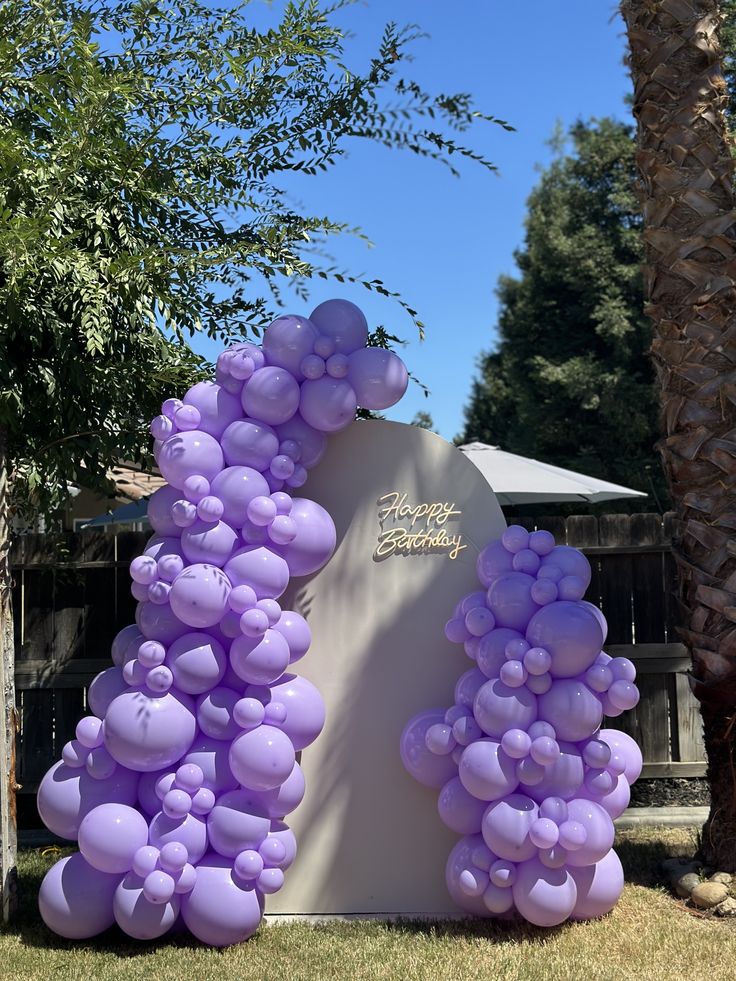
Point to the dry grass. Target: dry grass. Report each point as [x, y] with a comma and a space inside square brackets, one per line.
[648, 937]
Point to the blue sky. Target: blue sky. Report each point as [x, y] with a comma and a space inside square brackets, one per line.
[442, 242]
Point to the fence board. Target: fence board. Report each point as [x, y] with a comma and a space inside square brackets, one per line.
[687, 723]
[616, 578]
[37, 743]
[647, 583]
[582, 532]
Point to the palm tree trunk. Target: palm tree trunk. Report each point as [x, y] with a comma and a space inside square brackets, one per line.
[687, 195]
[8, 832]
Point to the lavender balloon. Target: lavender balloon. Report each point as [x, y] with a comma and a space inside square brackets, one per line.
[521, 749]
[177, 784]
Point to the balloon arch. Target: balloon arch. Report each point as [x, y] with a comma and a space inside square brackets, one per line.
[177, 784]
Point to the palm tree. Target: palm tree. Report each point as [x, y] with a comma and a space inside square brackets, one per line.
[687, 197]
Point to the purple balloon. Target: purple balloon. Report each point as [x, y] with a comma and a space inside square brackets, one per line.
[492, 650]
[249, 443]
[563, 778]
[159, 510]
[147, 797]
[460, 860]
[624, 745]
[210, 542]
[67, 795]
[343, 323]
[197, 662]
[217, 408]
[261, 568]
[76, 900]
[105, 687]
[572, 635]
[315, 538]
[161, 546]
[215, 713]
[467, 687]
[262, 758]
[311, 442]
[497, 708]
[287, 341]
[305, 708]
[295, 631]
[188, 830]
[426, 767]
[260, 660]
[271, 395]
[282, 800]
[493, 562]
[572, 708]
[199, 595]
[486, 771]
[218, 911]
[598, 887]
[379, 378]
[506, 826]
[544, 896]
[159, 622]
[570, 561]
[459, 810]
[110, 835]
[328, 404]
[186, 454]
[234, 824]
[212, 756]
[510, 600]
[139, 917]
[599, 831]
[145, 733]
[236, 487]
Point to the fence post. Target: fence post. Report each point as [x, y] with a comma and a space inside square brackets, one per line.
[8, 829]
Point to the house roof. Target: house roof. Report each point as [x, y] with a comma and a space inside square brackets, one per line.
[133, 483]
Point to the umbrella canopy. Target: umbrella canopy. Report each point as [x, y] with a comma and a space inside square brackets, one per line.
[124, 515]
[519, 480]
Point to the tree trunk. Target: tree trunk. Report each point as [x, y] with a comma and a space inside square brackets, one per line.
[687, 197]
[8, 830]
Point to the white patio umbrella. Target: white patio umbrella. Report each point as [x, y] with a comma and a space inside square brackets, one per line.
[520, 480]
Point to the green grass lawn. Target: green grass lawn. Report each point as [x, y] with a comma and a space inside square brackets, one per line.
[649, 937]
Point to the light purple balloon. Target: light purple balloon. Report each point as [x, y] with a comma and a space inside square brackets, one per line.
[572, 708]
[105, 687]
[217, 408]
[328, 404]
[249, 443]
[282, 800]
[160, 546]
[188, 453]
[545, 897]
[458, 809]
[261, 568]
[76, 900]
[493, 562]
[625, 746]
[285, 836]
[497, 708]
[467, 687]
[426, 767]
[159, 622]
[492, 650]
[197, 661]
[598, 828]
[459, 860]
[217, 910]
[188, 830]
[259, 660]
[486, 771]
[599, 887]
[215, 713]
[209, 542]
[343, 322]
[510, 600]
[305, 709]
[311, 442]
[199, 595]
[235, 824]
[563, 778]
[236, 487]
[287, 341]
[315, 539]
[570, 561]
[572, 635]
[506, 826]
[123, 639]
[139, 917]
[615, 801]
[159, 510]
[271, 395]
[262, 758]
[110, 835]
[147, 797]
[146, 733]
[67, 795]
[378, 377]
[212, 756]
[295, 631]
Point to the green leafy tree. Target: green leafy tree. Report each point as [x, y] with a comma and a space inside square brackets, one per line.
[145, 151]
[570, 380]
[423, 420]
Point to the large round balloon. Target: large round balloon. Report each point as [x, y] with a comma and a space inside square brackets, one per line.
[626, 747]
[234, 824]
[212, 756]
[159, 622]
[491, 654]
[459, 810]
[271, 395]
[562, 778]
[146, 733]
[217, 408]
[159, 510]
[282, 800]
[498, 708]
[379, 378]
[261, 569]
[219, 911]
[510, 600]
[197, 662]
[249, 443]
[426, 767]
[215, 712]
[199, 595]
[486, 771]
[598, 887]
[305, 709]
[260, 660]
[599, 831]
[572, 708]
[506, 826]
[208, 541]
[328, 404]
[110, 835]
[105, 687]
[188, 453]
[236, 487]
[189, 831]
[343, 323]
[544, 896]
[571, 634]
[138, 916]
[288, 341]
[66, 795]
[76, 900]
[315, 538]
[262, 758]
[460, 860]
[295, 631]
[311, 442]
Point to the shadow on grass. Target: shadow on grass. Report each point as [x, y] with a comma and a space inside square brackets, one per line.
[642, 852]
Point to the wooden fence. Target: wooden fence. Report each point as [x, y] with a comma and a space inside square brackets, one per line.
[72, 594]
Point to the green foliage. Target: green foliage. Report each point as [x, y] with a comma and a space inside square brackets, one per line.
[424, 420]
[144, 146]
[570, 381]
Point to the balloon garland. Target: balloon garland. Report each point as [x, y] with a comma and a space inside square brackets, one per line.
[177, 785]
[524, 770]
